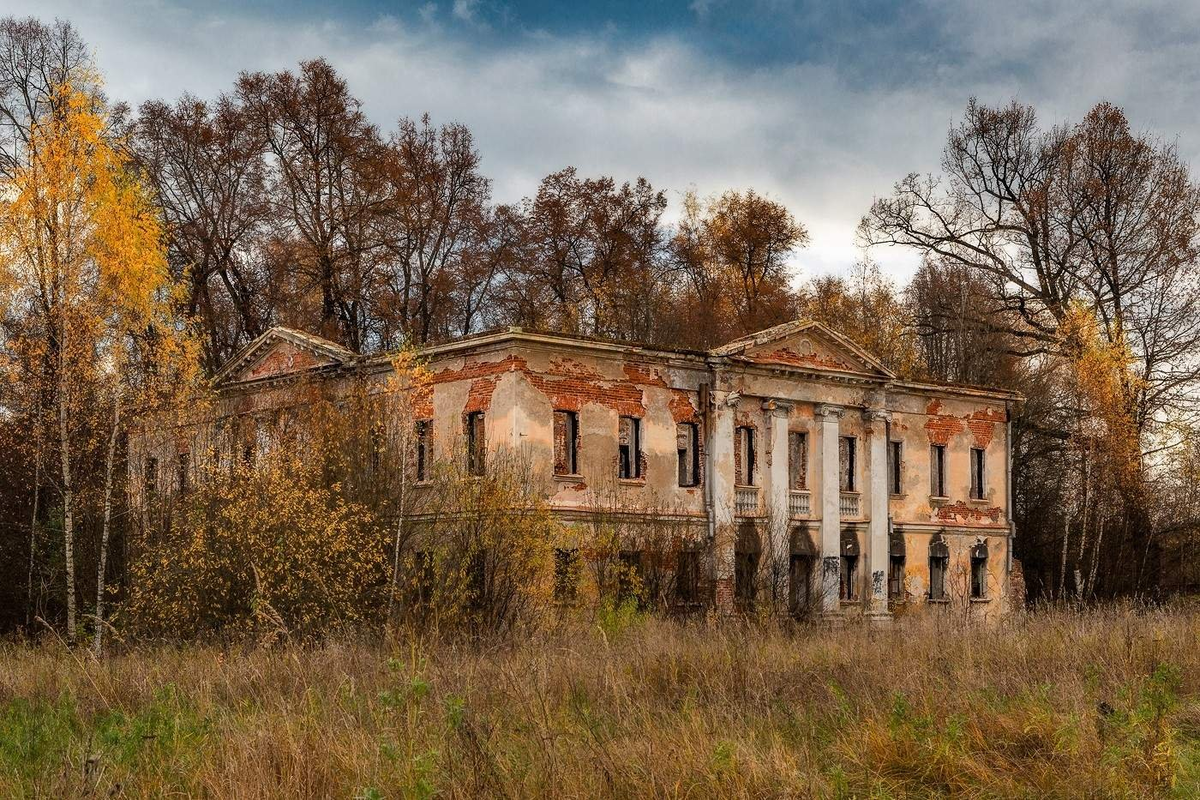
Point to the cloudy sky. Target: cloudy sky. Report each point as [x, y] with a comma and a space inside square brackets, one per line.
[823, 105]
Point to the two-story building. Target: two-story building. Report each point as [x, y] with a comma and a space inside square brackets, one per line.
[874, 493]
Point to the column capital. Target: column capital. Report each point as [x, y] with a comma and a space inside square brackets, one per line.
[829, 410]
[877, 415]
[777, 408]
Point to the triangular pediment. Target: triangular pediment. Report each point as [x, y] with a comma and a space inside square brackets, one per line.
[280, 352]
[804, 344]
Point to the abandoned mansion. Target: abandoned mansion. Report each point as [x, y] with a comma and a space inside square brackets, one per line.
[876, 494]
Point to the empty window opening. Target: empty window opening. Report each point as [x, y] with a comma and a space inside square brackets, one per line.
[896, 562]
[745, 456]
[979, 572]
[476, 443]
[937, 470]
[847, 466]
[939, 565]
[849, 579]
[895, 466]
[629, 442]
[687, 447]
[687, 577]
[799, 578]
[848, 583]
[566, 574]
[566, 443]
[747, 553]
[423, 429]
[798, 459]
[977, 473]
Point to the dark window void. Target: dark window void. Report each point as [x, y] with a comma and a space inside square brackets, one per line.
[687, 577]
[847, 466]
[977, 473]
[895, 466]
[939, 565]
[687, 446]
[897, 592]
[629, 443]
[798, 459]
[745, 456]
[423, 430]
[566, 443]
[896, 578]
[979, 571]
[799, 578]
[476, 443]
[848, 584]
[937, 470]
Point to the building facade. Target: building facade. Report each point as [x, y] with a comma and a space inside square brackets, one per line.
[871, 495]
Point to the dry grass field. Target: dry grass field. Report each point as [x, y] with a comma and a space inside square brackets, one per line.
[1054, 704]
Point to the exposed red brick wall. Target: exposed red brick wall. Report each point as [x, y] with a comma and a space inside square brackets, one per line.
[283, 358]
[644, 375]
[682, 408]
[960, 512]
[785, 355]
[723, 590]
[943, 427]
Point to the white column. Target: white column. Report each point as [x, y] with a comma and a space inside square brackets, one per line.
[877, 533]
[831, 522]
[721, 479]
[778, 493]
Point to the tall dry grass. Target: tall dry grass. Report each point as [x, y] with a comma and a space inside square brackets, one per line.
[1055, 704]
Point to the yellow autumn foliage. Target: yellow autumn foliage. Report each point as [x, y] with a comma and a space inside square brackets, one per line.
[272, 549]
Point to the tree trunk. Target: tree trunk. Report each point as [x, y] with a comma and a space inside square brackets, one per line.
[68, 493]
[33, 522]
[98, 642]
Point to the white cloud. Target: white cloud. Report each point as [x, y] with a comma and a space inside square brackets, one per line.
[814, 134]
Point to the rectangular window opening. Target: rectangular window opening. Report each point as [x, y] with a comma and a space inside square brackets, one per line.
[937, 577]
[798, 459]
[566, 443]
[423, 451]
[847, 467]
[896, 591]
[977, 473]
[895, 467]
[687, 447]
[476, 443]
[799, 574]
[687, 577]
[745, 456]
[849, 578]
[978, 577]
[937, 470]
[629, 442]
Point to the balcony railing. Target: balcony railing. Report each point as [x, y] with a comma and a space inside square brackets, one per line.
[799, 505]
[745, 501]
[849, 507]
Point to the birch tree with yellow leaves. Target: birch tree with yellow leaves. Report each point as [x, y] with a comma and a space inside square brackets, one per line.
[83, 265]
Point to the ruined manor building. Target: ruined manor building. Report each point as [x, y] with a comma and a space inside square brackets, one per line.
[869, 494]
